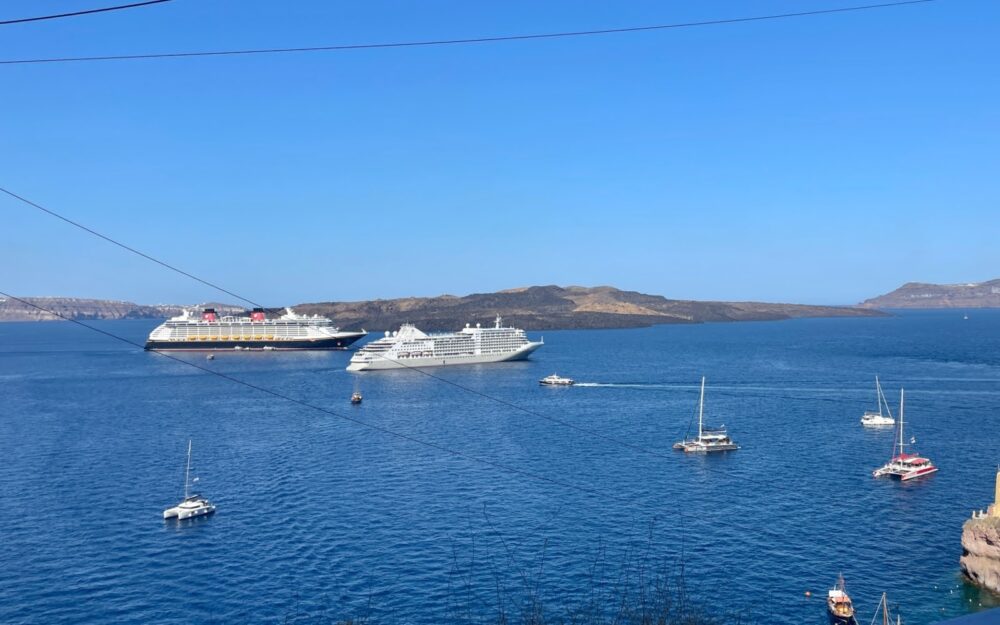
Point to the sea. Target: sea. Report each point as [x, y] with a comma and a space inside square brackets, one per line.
[473, 494]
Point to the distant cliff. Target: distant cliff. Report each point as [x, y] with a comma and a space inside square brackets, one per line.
[82, 309]
[980, 560]
[921, 295]
[554, 307]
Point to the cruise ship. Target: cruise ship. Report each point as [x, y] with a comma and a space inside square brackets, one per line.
[409, 347]
[211, 332]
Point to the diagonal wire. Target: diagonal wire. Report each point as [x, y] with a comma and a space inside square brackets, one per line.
[84, 12]
[463, 41]
[378, 428]
[123, 246]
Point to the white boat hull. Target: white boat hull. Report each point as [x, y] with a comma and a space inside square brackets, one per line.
[380, 363]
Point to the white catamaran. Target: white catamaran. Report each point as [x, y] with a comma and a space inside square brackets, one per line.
[872, 418]
[192, 505]
[709, 439]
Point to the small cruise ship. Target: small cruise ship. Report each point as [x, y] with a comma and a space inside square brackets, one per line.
[904, 466]
[409, 347]
[256, 331]
[708, 439]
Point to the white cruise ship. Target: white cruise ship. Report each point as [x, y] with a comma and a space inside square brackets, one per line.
[409, 347]
[211, 332]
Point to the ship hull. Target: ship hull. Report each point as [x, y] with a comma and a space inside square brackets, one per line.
[342, 341]
[841, 620]
[386, 363]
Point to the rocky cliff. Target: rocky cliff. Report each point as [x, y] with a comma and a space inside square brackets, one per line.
[922, 295]
[980, 559]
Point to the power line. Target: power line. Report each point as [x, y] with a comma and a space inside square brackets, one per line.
[378, 428]
[463, 41]
[85, 12]
[125, 247]
[509, 404]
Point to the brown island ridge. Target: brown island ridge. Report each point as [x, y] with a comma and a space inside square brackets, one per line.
[532, 308]
[554, 307]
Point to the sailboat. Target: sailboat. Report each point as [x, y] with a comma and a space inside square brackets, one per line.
[838, 605]
[878, 419]
[904, 466]
[192, 505]
[709, 439]
[883, 607]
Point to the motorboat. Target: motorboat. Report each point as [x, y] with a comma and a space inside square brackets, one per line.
[555, 380]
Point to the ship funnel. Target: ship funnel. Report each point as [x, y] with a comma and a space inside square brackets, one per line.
[257, 314]
[208, 314]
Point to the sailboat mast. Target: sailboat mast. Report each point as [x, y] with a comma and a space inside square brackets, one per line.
[878, 396]
[701, 406]
[901, 421]
[187, 472]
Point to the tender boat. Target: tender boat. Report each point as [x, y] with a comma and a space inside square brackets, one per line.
[838, 605]
[708, 439]
[192, 505]
[356, 397]
[872, 418]
[555, 380]
[904, 466]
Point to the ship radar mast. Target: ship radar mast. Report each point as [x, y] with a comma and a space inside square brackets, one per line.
[498, 321]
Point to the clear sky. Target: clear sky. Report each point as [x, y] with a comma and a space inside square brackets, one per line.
[819, 160]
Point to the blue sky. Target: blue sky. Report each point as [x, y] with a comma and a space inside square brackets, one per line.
[820, 160]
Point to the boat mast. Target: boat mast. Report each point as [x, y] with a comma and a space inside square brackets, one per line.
[701, 406]
[878, 396]
[187, 472]
[901, 422]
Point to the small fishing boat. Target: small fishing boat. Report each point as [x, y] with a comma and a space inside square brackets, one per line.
[876, 419]
[210, 357]
[555, 380]
[708, 439]
[904, 466]
[356, 397]
[838, 605]
[192, 505]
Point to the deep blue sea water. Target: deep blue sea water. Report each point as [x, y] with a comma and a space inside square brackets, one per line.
[319, 517]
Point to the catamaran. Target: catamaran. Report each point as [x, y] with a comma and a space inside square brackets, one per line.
[192, 505]
[708, 439]
[904, 466]
[872, 418]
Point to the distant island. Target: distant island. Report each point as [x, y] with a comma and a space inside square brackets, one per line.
[923, 295]
[84, 309]
[533, 308]
[555, 307]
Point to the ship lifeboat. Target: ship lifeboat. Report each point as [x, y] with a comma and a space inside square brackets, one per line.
[270, 337]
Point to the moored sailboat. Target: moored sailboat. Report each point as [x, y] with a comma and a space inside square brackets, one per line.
[904, 466]
[873, 418]
[192, 505]
[708, 439]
